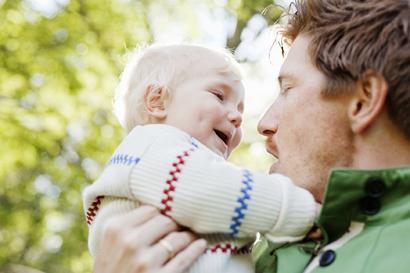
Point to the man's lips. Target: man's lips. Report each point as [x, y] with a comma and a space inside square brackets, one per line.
[271, 147]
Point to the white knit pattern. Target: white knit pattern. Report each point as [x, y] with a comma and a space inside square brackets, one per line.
[163, 166]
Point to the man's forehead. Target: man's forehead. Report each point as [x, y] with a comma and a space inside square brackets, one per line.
[296, 59]
[289, 70]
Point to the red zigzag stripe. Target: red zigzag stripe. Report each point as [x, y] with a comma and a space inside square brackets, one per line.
[224, 248]
[172, 181]
[93, 209]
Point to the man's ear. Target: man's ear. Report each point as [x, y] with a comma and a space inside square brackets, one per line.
[368, 100]
[155, 101]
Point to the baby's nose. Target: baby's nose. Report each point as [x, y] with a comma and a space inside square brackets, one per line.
[235, 117]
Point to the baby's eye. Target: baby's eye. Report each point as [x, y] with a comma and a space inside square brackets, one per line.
[219, 94]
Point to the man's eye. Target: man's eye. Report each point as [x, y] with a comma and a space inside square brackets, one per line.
[284, 90]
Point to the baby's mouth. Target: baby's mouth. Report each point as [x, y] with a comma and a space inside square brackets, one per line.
[222, 136]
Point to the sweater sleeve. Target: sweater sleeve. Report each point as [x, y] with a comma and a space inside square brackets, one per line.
[189, 183]
[198, 189]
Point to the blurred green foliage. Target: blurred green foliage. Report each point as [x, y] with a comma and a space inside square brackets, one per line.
[58, 72]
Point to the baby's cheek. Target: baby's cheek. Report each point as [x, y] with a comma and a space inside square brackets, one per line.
[217, 109]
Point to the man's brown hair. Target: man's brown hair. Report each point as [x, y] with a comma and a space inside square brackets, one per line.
[350, 37]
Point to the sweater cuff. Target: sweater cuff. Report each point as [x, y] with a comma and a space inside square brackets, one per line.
[297, 214]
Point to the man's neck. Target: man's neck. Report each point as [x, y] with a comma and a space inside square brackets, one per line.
[383, 146]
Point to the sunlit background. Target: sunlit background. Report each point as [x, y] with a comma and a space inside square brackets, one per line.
[60, 61]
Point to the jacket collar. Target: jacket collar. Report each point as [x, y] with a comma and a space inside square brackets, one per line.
[369, 196]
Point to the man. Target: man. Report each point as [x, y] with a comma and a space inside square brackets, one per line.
[344, 104]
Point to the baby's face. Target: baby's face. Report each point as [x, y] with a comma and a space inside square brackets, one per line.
[209, 106]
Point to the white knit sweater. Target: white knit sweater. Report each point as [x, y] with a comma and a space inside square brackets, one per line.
[163, 166]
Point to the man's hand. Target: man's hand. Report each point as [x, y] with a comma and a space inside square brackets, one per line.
[145, 241]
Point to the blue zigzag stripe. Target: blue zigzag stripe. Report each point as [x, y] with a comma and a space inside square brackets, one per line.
[247, 184]
[123, 159]
[193, 142]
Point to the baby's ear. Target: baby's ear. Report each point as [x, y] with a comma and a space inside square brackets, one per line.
[155, 101]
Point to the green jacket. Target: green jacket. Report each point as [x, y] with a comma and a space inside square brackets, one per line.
[365, 220]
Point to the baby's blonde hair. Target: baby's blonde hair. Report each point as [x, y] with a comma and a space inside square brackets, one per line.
[162, 66]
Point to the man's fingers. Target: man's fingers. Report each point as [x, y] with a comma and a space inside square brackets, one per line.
[135, 241]
[118, 233]
[153, 230]
[130, 219]
[171, 245]
[185, 258]
[137, 238]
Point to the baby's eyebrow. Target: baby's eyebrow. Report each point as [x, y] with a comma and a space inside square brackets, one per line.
[240, 107]
[223, 85]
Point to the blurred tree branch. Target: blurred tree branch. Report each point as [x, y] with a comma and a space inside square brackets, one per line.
[246, 10]
[56, 127]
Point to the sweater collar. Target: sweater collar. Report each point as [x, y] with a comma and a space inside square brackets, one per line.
[368, 196]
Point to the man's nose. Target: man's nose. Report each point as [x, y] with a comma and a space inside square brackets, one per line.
[268, 124]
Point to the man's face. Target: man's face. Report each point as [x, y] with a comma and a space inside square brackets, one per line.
[308, 133]
[209, 106]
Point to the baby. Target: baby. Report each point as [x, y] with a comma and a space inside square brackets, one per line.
[182, 106]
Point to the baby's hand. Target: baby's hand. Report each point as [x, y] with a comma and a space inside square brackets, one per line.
[315, 234]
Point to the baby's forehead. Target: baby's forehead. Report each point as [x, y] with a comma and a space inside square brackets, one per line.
[216, 69]
[191, 62]
[215, 65]
[222, 76]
